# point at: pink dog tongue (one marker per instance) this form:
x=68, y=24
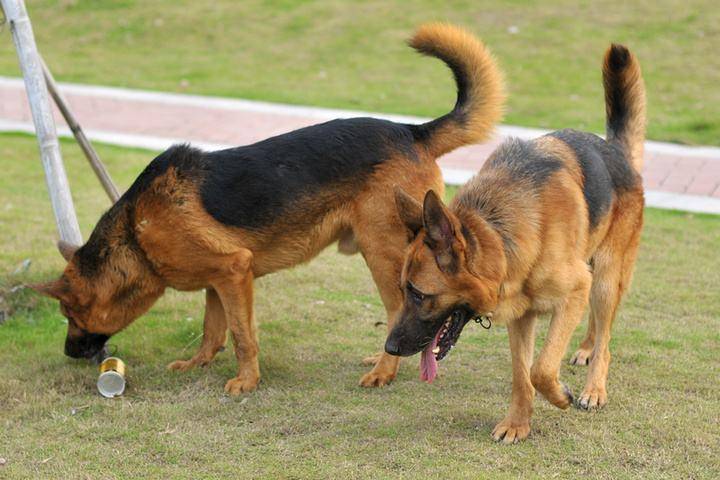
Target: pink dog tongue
x=428, y=364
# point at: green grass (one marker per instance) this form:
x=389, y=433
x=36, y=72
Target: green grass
x=309, y=419
x=352, y=54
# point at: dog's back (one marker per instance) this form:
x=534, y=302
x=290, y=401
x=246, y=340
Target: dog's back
x=254, y=186
x=606, y=170
x=525, y=186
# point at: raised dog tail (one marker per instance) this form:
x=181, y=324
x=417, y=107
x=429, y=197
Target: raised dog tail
x=624, y=102
x=481, y=92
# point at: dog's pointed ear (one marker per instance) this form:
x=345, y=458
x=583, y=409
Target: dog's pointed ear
x=67, y=250
x=437, y=222
x=55, y=289
x=440, y=231
x=410, y=211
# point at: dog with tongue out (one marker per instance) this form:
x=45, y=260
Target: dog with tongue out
x=547, y=226
x=441, y=293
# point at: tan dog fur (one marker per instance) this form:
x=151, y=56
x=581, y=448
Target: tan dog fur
x=518, y=241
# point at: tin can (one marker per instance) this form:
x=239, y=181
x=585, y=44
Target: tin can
x=111, y=381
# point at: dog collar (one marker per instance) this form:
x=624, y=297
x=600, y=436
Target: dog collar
x=485, y=320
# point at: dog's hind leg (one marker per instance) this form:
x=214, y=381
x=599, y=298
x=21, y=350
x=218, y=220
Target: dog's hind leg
x=545, y=372
x=614, y=264
x=386, y=366
x=385, y=261
x=214, y=334
x=235, y=289
x=516, y=424
x=584, y=352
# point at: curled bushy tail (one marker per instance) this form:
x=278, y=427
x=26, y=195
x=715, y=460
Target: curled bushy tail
x=481, y=93
x=625, y=102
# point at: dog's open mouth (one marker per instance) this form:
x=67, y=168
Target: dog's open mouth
x=445, y=339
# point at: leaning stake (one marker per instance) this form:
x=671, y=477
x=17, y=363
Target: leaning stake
x=87, y=148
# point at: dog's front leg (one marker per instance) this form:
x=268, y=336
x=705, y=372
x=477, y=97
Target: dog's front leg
x=214, y=334
x=235, y=290
x=516, y=425
x=545, y=372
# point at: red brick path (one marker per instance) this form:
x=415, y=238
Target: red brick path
x=228, y=122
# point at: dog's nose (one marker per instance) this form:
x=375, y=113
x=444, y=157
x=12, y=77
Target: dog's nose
x=392, y=347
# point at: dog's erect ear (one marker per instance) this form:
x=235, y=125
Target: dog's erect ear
x=410, y=210
x=440, y=231
x=67, y=250
x=436, y=219
x=56, y=289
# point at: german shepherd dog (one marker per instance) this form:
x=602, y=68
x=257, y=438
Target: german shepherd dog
x=218, y=220
x=545, y=226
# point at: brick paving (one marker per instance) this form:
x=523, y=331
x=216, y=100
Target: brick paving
x=670, y=170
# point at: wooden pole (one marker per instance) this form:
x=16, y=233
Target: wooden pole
x=42, y=115
x=87, y=148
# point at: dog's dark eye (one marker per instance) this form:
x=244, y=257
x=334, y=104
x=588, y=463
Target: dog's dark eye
x=416, y=295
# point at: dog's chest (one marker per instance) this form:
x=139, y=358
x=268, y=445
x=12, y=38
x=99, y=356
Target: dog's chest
x=517, y=298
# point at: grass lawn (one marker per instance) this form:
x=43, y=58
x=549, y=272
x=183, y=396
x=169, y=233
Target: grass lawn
x=309, y=419
x=352, y=54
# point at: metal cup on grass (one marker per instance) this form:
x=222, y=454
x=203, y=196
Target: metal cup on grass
x=111, y=382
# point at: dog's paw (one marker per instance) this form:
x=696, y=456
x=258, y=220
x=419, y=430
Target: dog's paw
x=181, y=365
x=569, y=398
x=581, y=357
x=554, y=391
x=372, y=360
x=560, y=395
x=377, y=379
x=511, y=430
x=591, y=399
x=244, y=384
